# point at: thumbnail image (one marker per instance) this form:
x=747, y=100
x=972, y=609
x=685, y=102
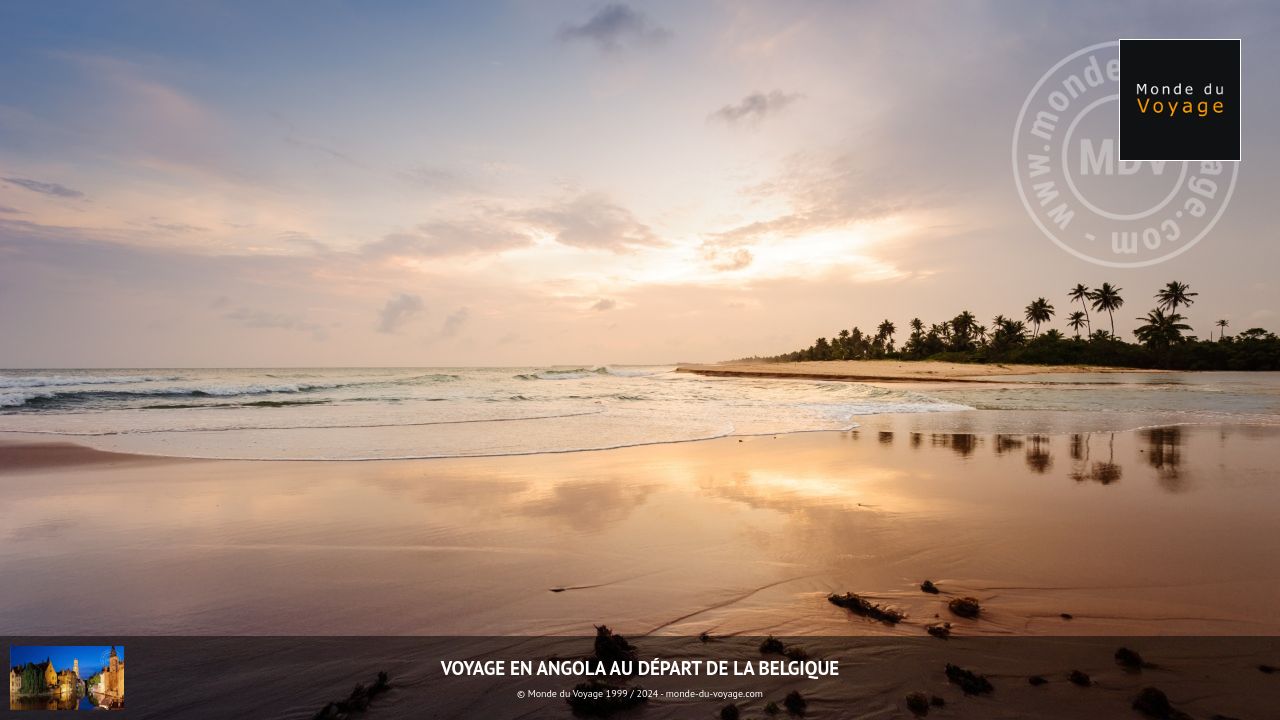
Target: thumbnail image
x=66, y=677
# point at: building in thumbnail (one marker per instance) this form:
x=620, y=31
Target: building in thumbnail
x=69, y=679
x=110, y=684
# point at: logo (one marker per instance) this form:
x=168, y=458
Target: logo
x=1180, y=99
x=1070, y=178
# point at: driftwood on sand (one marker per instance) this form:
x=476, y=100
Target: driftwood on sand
x=861, y=606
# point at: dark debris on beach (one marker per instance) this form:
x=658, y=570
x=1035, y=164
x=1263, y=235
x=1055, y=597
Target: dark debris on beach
x=1130, y=659
x=965, y=607
x=1153, y=703
x=772, y=646
x=970, y=682
x=795, y=703
x=610, y=646
x=357, y=702
x=861, y=606
x=919, y=703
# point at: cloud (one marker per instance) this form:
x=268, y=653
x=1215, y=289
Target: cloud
x=446, y=238
x=302, y=241
x=45, y=188
x=727, y=260
x=176, y=227
x=455, y=322
x=10, y=210
x=755, y=107
x=604, y=304
x=593, y=222
x=401, y=308
x=827, y=194
x=264, y=319
x=614, y=27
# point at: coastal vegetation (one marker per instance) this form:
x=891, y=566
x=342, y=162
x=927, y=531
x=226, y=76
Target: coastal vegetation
x=1163, y=340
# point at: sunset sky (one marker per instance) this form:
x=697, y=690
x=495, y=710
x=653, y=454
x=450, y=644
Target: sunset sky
x=534, y=182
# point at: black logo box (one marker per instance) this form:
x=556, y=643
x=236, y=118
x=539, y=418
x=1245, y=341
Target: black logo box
x=1186, y=67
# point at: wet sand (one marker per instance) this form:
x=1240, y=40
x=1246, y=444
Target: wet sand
x=1153, y=531
x=889, y=370
x=1138, y=528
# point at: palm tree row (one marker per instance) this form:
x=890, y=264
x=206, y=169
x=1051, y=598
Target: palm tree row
x=1161, y=329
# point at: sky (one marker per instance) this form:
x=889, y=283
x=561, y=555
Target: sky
x=92, y=657
x=531, y=182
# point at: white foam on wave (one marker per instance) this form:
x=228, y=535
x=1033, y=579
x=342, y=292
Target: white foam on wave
x=471, y=411
x=18, y=399
x=35, y=381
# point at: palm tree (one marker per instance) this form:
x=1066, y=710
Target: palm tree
x=1039, y=311
x=1008, y=332
x=1174, y=294
x=885, y=332
x=963, y=326
x=1107, y=298
x=1077, y=320
x=1080, y=294
x=1160, y=330
x=1222, y=329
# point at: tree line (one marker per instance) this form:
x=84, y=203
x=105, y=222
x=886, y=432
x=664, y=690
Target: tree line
x=1163, y=338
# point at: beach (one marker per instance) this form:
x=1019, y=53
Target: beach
x=1133, y=533
x=1076, y=529
x=890, y=370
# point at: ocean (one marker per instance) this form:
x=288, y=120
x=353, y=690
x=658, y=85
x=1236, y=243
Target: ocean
x=375, y=413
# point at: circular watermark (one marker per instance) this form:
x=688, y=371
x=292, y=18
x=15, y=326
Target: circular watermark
x=1082, y=196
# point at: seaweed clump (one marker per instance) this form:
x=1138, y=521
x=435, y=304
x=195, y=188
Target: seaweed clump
x=939, y=630
x=861, y=606
x=357, y=702
x=772, y=646
x=929, y=587
x=610, y=646
x=1130, y=659
x=1080, y=678
x=795, y=703
x=1152, y=702
x=600, y=699
x=919, y=703
x=965, y=607
x=970, y=682
x=729, y=712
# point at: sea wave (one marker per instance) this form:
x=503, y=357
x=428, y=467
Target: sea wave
x=65, y=380
x=586, y=372
x=48, y=397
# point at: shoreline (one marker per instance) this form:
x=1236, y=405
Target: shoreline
x=896, y=370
